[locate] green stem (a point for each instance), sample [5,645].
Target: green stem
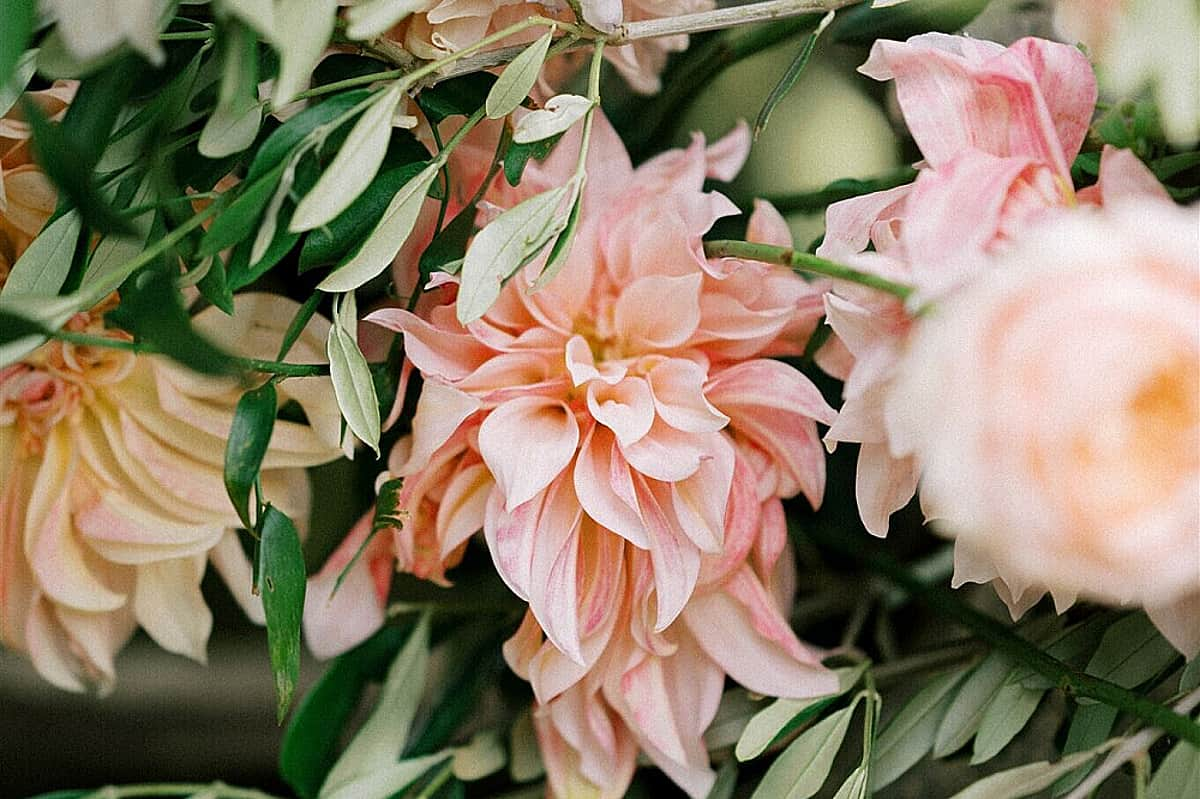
[249,364]
[220,789]
[803,262]
[185,36]
[438,780]
[1001,638]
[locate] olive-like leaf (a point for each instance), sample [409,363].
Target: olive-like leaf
[517,79]
[909,736]
[1005,716]
[791,74]
[374,17]
[281,583]
[483,756]
[1028,779]
[301,40]
[1179,774]
[43,267]
[558,114]
[966,711]
[801,770]
[249,436]
[1131,652]
[784,715]
[353,386]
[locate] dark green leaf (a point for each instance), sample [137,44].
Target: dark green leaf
[1171,165]
[215,288]
[519,154]
[249,435]
[337,67]
[14,327]
[89,120]
[333,242]
[18,16]
[790,76]
[461,96]
[1131,652]
[70,170]
[152,310]
[1090,726]
[276,148]
[445,253]
[281,583]
[235,223]
[843,189]
[310,743]
[864,24]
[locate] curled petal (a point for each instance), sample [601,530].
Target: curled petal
[604,486]
[526,443]
[678,388]
[626,408]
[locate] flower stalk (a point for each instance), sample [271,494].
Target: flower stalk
[803,262]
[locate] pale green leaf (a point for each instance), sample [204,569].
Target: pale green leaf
[1131,652]
[766,725]
[353,386]
[801,770]
[735,710]
[909,736]
[1028,779]
[43,267]
[726,782]
[558,114]
[301,41]
[355,165]
[517,79]
[372,18]
[11,89]
[483,756]
[855,786]
[50,313]
[387,780]
[966,711]
[1189,680]
[1090,726]
[230,129]
[1179,774]
[1005,716]
[379,742]
[500,249]
[234,123]
[389,235]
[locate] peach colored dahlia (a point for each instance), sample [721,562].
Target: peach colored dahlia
[623,439]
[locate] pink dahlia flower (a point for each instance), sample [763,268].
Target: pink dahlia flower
[111,493]
[1054,405]
[999,128]
[623,440]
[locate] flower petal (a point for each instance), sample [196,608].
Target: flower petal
[527,442]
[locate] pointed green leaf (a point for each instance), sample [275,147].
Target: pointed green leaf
[864,24]
[510,240]
[380,248]
[1189,680]
[353,386]
[355,165]
[855,786]
[801,770]
[311,741]
[1026,780]
[12,87]
[249,436]
[43,267]
[1131,652]
[966,711]
[784,715]
[384,735]
[19,17]
[517,79]
[1179,774]
[1005,716]
[281,582]
[562,245]
[518,156]
[791,75]
[389,779]
[461,96]
[726,782]
[1090,726]
[909,736]
[276,148]
[234,123]
[558,114]
[235,222]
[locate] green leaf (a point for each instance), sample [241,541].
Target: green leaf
[375,17]
[249,436]
[258,14]
[726,782]
[509,241]
[966,711]
[214,286]
[1005,716]
[519,154]
[855,786]
[562,245]
[791,75]
[1025,780]
[558,114]
[93,111]
[152,310]
[446,251]
[483,756]
[304,30]
[864,24]
[18,16]
[1072,646]
[388,236]
[69,168]
[234,123]
[1179,774]
[43,267]
[383,737]
[387,780]
[1131,652]
[801,770]
[461,96]
[352,384]
[281,582]
[355,165]
[525,759]
[310,743]
[1190,679]
[276,148]
[13,87]
[784,715]
[27,321]
[909,736]
[517,79]
[1090,726]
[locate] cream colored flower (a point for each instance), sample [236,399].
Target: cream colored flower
[92,28]
[1054,405]
[112,498]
